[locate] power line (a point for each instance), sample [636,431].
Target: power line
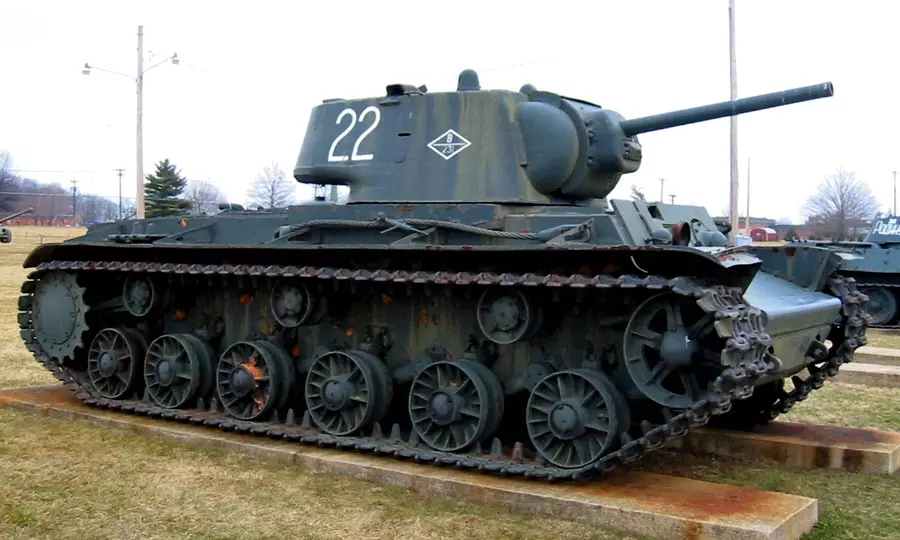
[66,171]
[110,197]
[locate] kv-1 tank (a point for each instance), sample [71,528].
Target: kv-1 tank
[477,301]
[875,265]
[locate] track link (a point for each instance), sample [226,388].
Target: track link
[742,327]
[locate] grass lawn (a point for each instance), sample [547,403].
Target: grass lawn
[61,479]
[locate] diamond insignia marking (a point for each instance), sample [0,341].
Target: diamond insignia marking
[449,143]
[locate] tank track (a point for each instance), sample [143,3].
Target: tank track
[741,325]
[846,338]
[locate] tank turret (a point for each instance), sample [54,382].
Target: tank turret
[489,146]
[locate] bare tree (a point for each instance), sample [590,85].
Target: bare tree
[96,209]
[205,197]
[271,188]
[841,204]
[9,183]
[637,194]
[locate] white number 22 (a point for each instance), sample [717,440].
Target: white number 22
[355,156]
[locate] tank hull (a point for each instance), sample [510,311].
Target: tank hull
[535,342]
[876,269]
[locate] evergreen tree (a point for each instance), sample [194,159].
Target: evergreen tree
[161,192]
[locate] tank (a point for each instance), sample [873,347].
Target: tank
[477,300]
[875,265]
[5,232]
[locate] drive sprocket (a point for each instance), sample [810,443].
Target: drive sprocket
[58,315]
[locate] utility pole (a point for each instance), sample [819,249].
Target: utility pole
[747,219]
[734,167]
[74,189]
[139,84]
[120,171]
[139,169]
[334,194]
[895,192]
[661,182]
[672,198]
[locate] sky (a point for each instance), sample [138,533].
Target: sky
[251,72]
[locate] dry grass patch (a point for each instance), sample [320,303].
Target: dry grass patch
[71,480]
[887,339]
[849,405]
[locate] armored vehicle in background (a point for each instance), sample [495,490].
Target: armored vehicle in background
[6,235]
[478,301]
[875,265]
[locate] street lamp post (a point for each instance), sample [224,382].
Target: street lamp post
[733,205]
[139,82]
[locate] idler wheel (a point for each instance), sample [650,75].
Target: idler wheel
[251,380]
[576,417]
[347,391]
[453,405]
[177,369]
[672,350]
[114,360]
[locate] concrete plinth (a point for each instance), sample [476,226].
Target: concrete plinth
[638,503]
[887,376]
[877,355]
[803,445]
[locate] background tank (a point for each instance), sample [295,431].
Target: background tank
[476,301]
[875,265]
[6,232]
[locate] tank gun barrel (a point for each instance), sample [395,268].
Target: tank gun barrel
[724,109]
[17,214]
